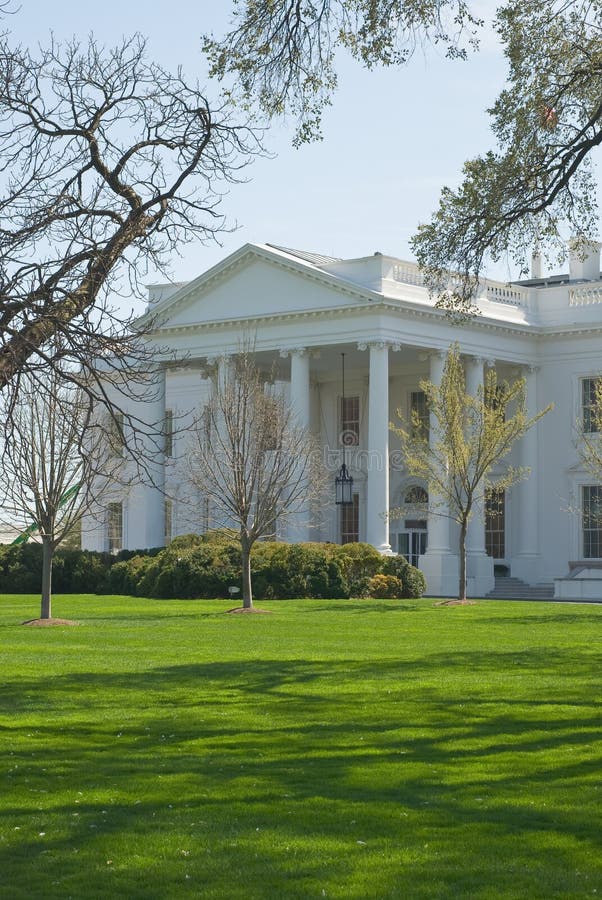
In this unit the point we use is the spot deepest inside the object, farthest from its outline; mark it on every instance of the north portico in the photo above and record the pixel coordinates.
(303, 312)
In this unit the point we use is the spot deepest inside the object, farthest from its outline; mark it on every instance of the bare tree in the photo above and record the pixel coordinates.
(108, 165)
(471, 435)
(255, 466)
(53, 465)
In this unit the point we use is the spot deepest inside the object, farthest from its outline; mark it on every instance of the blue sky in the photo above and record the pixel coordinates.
(392, 138)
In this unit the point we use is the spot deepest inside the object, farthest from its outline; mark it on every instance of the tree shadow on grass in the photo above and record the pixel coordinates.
(237, 762)
(219, 787)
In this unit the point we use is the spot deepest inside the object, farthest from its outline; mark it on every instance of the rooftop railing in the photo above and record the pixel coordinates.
(586, 295)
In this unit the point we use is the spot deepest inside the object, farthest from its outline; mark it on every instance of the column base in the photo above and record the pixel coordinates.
(526, 567)
(479, 574)
(385, 550)
(442, 573)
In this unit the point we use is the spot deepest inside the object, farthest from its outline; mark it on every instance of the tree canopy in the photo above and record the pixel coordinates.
(533, 186)
(282, 53)
(540, 180)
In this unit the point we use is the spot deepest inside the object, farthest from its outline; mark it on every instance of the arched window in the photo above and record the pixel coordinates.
(416, 496)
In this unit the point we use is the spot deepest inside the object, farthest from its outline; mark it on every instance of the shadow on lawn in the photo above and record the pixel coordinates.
(240, 761)
(311, 786)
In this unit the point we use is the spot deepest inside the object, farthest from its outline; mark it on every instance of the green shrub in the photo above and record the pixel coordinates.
(80, 571)
(412, 579)
(289, 571)
(190, 567)
(385, 587)
(359, 562)
(205, 566)
(21, 568)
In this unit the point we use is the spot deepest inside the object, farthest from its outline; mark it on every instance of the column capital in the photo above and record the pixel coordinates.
(292, 351)
(378, 344)
(432, 354)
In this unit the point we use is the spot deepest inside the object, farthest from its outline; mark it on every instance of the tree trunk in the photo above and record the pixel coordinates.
(462, 584)
(47, 554)
(247, 589)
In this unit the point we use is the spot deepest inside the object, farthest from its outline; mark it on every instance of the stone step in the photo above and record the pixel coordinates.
(509, 588)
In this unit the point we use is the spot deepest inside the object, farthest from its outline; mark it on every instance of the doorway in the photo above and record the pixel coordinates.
(412, 541)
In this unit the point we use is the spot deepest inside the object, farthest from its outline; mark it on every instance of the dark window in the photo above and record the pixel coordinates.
(168, 521)
(116, 433)
(591, 413)
(495, 524)
(115, 527)
(419, 415)
(416, 496)
(168, 432)
(270, 424)
(350, 422)
(592, 521)
(350, 521)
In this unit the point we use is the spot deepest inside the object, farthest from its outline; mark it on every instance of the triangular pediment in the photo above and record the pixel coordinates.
(255, 283)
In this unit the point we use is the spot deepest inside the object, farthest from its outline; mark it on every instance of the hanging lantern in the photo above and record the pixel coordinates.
(343, 483)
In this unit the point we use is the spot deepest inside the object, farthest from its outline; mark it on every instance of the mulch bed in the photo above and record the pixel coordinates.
(252, 611)
(455, 603)
(45, 622)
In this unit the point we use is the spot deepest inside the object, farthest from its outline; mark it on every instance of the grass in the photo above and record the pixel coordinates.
(344, 749)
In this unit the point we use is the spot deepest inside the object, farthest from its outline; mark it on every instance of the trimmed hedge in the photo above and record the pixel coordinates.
(205, 566)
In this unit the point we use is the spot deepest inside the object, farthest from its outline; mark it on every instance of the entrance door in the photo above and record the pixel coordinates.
(412, 544)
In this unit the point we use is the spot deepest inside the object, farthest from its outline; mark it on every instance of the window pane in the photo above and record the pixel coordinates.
(115, 527)
(592, 521)
(589, 405)
(350, 422)
(419, 415)
(115, 431)
(168, 521)
(350, 521)
(495, 524)
(168, 432)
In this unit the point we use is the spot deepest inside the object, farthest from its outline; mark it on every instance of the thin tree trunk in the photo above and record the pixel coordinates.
(247, 589)
(462, 584)
(47, 554)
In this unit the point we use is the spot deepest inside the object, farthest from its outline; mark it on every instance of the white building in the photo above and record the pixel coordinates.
(303, 311)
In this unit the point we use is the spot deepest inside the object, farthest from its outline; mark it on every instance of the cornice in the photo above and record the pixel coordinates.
(369, 305)
(368, 300)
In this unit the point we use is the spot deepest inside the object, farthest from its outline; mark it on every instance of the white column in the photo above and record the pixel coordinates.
(222, 372)
(438, 524)
(526, 561)
(300, 386)
(377, 506)
(299, 526)
(479, 566)
(439, 563)
(151, 531)
(475, 537)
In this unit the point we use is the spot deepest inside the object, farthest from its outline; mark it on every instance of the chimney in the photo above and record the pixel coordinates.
(536, 266)
(584, 259)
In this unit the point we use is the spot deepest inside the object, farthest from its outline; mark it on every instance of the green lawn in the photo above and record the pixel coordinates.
(343, 749)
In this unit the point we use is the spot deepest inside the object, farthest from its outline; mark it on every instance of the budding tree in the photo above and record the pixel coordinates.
(470, 435)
